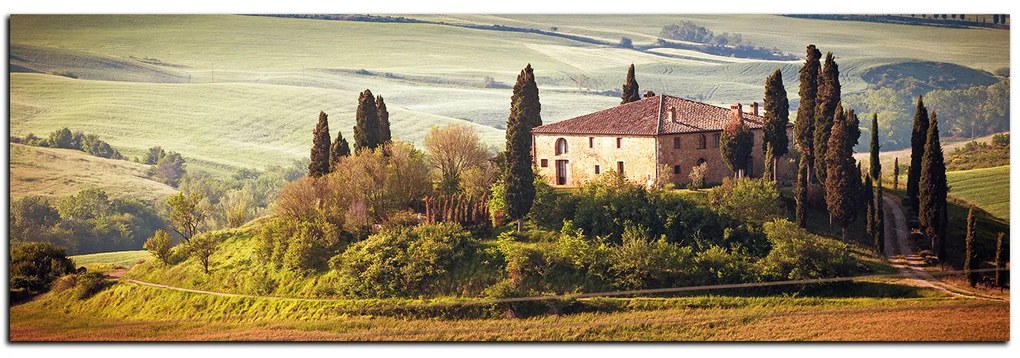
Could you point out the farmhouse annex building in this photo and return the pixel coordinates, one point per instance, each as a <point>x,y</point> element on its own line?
<point>657,136</point>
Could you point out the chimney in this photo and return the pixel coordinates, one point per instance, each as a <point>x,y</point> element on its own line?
<point>671,114</point>
<point>736,109</point>
<point>754,108</point>
<point>649,94</point>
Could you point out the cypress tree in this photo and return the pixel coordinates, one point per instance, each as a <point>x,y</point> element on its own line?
<point>518,175</point>
<point>918,138</point>
<point>768,173</point>
<point>338,150</point>
<point>777,115</point>
<point>800,192</point>
<point>876,164</point>
<point>840,192</point>
<point>736,143</point>
<point>804,128</point>
<point>869,203</point>
<point>970,262</point>
<point>384,120</point>
<point>319,164</point>
<point>879,226</point>
<point>932,190</point>
<point>896,174</point>
<point>999,264</point>
<point>631,92</point>
<point>366,129</point>
<point>825,110</point>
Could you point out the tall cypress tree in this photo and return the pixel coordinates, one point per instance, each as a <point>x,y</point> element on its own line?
<point>800,192</point>
<point>384,120</point>
<point>825,110</point>
<point>840,191</point>
<point>366,129</point>
<point>879,226</point>
<point>999,264</point>
<point>777,118</point>
<point>769,173</point>
<point>736,143</point>
<point>896,174</point>
<point>876,164</point>
<point>868,194</point>
<point>969,260</point>
<point>918,138</point>
<point>804,128</point>
<point>525,113</point>
<point>932,190</point>
<point>319,164</point>
<point>631,92</point>
<point>338,150</point>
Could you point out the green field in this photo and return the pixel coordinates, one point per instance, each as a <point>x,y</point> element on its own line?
<point>987,188</point>
<point>57,173</point>
<point>232,91</point>
<point>125,259</point>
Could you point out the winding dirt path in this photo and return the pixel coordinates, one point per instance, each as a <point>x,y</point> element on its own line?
<point>900,252</point>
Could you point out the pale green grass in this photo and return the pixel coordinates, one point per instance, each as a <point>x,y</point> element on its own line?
<point>125,259</point>
<point>57,173</point>
<point>987,188</point>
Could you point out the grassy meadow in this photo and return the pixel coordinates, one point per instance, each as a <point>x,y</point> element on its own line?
<point>987,188</point>
<point>108,260</point>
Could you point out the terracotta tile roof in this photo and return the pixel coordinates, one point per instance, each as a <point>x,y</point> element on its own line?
<point>649,116</point>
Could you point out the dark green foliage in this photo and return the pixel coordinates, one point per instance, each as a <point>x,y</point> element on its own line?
<point>32,219</point>
<point>384,120</point>
<point>879,220</point>
<point>999,280</point>
<point>748,200</point>
<point>896,174</point>
<point>35,265</point>
<point>932,190</point>
<point>868,193</point>
<point>87,284</point>
<point>631,92</point>
<point>518,176</point>
<point>804,128</point>
<point>170,169</point>
<point>825,111</point>
<point>338,150</point>
<point>918,138</point>
<point>403,261</point>
<point>777,116</point>
<point>970,261</point>
<point>840,191</point>
<point>320,156</point>
<point>801,191</point>
<point>797,254</point>
<point>366,129</point>
<point>770,160</point>
<point>154,155</point>
<point>975,154</point>
<point>64,138</point>
<point>736,143</point>
<point>300,245</point>
<point>875,162</point>
<point>202,247</point>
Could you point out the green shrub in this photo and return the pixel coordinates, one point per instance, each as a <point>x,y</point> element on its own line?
<point>88,284</point>
<point>748,200</point>
<point>797,254</point>
<point>402,261</point>
<point>299,245</point>
<point>643,263</point>
<point>35,265</point>
<point>719,266</point>
<point>159,246</point>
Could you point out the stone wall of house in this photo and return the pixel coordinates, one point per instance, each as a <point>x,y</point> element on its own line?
<point>690,153</point>
<point>584,152</point>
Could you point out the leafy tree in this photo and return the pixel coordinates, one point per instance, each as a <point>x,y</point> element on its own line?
<point>202,247</point>
<point>186,214</point>
<point>749,200</point>
<point>452,150</point>
<point>804,128</point>
<point>932,190</point>
<point>777,118</point>
<point>159,246</point>
<point>918,138</point>
<point>320,157</point>
<point>62,138</point>
<point>366,129</point>
<point>840,191</point>
<point>736,144</point>
<point>800,191</point>
<point>631,92</point>
<point>170,169</point>
<point>697,176</point>
<point>525,114</point>
<point>825,111</point>
<point>999,264</point>
<point>384,120</point>
<point>35,265</point>
<point>31,219</point>
<point>970,261</point>
<point>338,150</point>
<point>797,254</point>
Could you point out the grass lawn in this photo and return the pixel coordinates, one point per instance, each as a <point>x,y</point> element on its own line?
<point>125,259</point>
<point>987,188</point>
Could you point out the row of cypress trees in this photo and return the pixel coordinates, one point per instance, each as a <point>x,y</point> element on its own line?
<point>371,130</point>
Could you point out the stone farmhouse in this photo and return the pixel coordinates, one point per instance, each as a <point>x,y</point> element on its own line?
<point>642,139</point>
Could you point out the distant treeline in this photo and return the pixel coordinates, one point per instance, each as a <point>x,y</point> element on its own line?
<point>912,20</point>
<point>64,138</point>
<point>725,44</point>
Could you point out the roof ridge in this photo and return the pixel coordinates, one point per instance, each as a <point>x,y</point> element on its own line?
<point>658,116</point>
